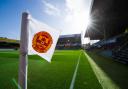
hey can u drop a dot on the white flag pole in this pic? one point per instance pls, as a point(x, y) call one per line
point(22, 80)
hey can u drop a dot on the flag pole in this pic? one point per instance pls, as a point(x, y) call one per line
point(23, 61)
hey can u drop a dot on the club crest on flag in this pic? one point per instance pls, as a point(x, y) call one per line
point(42, 41)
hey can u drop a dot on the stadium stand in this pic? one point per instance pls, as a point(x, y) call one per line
point(72, 41)
point(120, 53)
point(110, 25)
point(6, 43)
point(118, 46)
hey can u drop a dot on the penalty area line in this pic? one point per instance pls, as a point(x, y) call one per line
point(75, 73)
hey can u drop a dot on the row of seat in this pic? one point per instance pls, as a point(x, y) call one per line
point(121, 55)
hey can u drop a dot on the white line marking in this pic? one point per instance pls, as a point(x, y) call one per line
point(74, 75)
point(103, 78)
point(18, 86)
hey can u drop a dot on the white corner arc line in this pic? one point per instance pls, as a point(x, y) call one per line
point(75, 73)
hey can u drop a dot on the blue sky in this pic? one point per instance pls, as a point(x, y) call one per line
point(69, 16)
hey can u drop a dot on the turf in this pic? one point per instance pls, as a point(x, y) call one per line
point(116, 71)
point(43, 75)
point(85, 76)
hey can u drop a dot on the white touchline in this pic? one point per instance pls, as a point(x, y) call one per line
point(105, 81)
point(74, 75)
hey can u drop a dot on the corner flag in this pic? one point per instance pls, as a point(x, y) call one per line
point(42, 39)
point(36, 38)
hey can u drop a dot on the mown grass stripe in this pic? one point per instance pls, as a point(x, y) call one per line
point(104, 80)
point(75, 73)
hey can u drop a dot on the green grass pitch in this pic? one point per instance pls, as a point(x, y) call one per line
point(43, 75)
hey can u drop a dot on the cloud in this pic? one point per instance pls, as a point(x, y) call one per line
point(72, 15)
point(50, 9)
point(76, 14)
